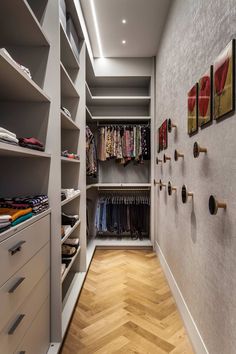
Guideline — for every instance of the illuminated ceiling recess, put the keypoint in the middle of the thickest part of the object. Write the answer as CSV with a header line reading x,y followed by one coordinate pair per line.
x,y
138,22
95,20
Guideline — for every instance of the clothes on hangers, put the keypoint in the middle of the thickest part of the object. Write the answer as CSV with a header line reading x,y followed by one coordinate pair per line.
x,y
91,154
123,213
124,143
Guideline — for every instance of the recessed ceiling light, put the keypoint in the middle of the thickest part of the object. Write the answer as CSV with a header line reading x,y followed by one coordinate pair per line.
x,y
124,41
124,20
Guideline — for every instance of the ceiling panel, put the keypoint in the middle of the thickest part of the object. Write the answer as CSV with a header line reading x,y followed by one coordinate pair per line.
x,y
142,32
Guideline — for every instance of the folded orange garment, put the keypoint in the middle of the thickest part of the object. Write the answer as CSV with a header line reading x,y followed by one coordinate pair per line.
x,y
14,213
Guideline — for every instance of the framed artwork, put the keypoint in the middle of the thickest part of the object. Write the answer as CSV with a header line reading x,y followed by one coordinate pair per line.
x,y
193,110
163,136
205,104
223,80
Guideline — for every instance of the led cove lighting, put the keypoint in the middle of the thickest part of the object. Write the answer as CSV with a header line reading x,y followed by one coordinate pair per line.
x,y
96,28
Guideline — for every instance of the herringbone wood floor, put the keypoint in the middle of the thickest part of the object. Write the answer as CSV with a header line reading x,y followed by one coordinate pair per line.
x,y
126,307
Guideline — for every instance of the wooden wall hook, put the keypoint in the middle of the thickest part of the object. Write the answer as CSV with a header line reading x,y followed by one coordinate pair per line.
x,y
171,125
165,158
214,205
178,154
161,184
171,188
197,149
185,194
158,160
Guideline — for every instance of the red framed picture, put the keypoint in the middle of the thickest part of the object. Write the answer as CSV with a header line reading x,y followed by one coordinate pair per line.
x,y
193,110
205,103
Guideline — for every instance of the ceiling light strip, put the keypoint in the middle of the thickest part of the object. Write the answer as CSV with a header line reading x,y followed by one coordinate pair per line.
x,y
96,28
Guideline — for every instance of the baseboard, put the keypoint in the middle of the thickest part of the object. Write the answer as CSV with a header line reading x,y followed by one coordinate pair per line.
x,y
193,332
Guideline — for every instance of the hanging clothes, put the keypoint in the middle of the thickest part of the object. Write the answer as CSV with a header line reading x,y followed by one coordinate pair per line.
x,y
124,143
91,154
118,214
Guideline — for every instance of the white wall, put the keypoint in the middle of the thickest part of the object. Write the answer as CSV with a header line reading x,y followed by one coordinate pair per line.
x,y
200,249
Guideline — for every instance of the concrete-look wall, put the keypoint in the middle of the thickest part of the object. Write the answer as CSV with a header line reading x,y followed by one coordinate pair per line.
x,y
199,248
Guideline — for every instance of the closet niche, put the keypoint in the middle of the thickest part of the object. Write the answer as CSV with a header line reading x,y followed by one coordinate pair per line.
x,y
118,116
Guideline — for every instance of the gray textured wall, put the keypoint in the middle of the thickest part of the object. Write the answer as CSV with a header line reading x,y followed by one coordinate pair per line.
x,y
199,248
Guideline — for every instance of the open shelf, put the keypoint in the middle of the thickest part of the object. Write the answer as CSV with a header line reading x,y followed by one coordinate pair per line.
x,y
15,150
15,85
119,185
69,231
22,225
68,200
115,100
67,122
66,159
70,265
68,56
25,29
67,86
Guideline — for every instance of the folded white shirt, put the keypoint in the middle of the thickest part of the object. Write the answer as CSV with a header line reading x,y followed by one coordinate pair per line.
x,y
5,131
8,137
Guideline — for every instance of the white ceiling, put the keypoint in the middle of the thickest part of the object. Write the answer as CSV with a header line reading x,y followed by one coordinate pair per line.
x,y
142,32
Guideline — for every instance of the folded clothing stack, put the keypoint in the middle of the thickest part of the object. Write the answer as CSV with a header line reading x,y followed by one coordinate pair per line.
x,y
22,67
68,193
6,136
63,196
66,111
38,203
69,219
31,143
70,155
12,217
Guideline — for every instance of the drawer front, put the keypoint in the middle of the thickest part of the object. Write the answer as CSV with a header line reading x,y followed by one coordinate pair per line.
x,y
19,323
18,249
37,339
14,292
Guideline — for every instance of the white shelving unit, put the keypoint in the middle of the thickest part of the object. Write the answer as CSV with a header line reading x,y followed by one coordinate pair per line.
x,y
67,123
16,85
68,200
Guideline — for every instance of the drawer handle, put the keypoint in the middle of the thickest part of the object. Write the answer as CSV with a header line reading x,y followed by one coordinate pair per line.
x,y
22,352
16,248
16,324
15,286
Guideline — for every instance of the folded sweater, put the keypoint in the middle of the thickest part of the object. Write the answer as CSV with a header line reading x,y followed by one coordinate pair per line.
x,y
22,218
15,213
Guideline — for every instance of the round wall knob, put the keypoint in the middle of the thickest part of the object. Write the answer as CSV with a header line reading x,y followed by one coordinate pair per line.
x,y
171,125
171,188
158,160
177,155
165,158
214,205
161,184
197,149
185,194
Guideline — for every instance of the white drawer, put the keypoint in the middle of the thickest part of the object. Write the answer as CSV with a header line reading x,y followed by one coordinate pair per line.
x,y
14,292
37,339
14,330
19,248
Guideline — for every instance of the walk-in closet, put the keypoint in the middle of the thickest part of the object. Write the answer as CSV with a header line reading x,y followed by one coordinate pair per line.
x,y
117,183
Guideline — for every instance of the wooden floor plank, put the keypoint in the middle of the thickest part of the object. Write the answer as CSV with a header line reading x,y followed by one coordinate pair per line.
x,y
125,307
